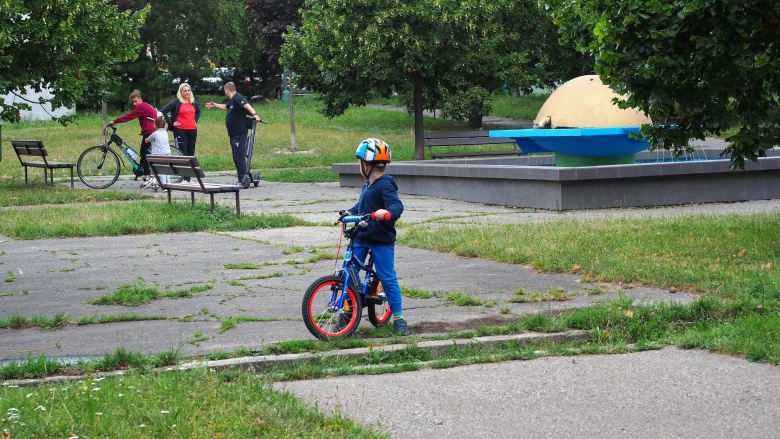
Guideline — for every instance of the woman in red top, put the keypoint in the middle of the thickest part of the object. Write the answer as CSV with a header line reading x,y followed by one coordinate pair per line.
x,y
182,115
146,114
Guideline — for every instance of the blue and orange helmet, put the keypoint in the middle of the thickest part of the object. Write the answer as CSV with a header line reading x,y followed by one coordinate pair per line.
x,y
374,151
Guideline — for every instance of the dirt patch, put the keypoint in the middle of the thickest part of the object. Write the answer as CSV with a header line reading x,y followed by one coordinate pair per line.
x,y
463,325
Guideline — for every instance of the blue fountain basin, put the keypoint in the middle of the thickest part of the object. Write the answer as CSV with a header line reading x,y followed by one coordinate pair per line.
x,y
587,142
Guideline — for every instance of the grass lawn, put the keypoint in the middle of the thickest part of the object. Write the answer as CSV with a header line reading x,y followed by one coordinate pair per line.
x,y
731,262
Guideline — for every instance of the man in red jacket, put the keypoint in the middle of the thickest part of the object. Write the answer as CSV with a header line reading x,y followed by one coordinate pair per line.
x,y
146,114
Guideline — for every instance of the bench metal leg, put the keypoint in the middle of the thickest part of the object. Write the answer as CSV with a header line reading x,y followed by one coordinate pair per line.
x,y
192,198
212,203
25,175
238,205
71,177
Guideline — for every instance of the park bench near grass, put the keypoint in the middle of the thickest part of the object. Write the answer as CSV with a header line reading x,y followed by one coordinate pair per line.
x,y
468,144
33,154
188,166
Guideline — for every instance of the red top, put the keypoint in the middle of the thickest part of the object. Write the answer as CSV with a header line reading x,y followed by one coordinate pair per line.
x,y
186,117
145,113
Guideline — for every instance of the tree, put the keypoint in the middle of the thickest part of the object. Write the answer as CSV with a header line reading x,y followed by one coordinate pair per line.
x,y
268,20
177,41
697,67
429,50
71,48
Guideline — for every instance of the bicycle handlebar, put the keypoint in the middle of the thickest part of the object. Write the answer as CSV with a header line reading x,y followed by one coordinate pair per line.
x,y
360,218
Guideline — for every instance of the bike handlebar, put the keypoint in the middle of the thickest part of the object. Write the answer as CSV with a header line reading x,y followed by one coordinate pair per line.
x,y
360,218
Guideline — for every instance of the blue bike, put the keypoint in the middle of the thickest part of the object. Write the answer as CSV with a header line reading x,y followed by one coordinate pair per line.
x,y
333,305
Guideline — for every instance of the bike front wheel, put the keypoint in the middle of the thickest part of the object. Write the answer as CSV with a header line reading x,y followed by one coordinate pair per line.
x,y
326,313
176,151
99,167
378,308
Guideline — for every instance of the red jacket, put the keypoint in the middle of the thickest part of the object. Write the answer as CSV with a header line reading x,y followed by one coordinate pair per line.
x,y
145,113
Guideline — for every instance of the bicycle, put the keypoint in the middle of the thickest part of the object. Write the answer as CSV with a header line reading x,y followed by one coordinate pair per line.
x,y
99,166
333,305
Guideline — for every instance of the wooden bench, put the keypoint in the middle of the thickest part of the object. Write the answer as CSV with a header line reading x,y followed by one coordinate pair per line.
x,y
188,166
478,139
33,154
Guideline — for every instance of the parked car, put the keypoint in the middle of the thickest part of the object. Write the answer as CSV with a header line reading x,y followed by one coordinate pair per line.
x,y
210,85
274,87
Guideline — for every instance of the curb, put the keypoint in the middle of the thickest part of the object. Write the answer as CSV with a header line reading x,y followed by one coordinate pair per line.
x,y
265,363
269,362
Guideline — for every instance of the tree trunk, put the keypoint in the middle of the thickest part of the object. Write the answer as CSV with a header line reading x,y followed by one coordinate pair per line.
x,y
475,122
419,145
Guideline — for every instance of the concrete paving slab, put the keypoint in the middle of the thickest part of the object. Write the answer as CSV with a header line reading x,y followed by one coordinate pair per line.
x,y
652,394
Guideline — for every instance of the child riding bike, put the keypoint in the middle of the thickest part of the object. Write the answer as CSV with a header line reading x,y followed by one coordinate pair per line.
x,y
380,196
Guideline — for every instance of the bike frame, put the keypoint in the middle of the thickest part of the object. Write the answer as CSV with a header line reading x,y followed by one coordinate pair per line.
x,y
123,146
351,267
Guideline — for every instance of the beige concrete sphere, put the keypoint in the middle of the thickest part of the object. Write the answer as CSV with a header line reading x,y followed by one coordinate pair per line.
x,y
586,102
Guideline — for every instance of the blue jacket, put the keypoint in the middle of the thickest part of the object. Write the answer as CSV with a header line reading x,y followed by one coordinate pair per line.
x,y
381,194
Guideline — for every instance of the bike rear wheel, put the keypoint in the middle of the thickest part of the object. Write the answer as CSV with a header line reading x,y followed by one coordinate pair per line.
x,y
321,313
176,151
378,308
98,167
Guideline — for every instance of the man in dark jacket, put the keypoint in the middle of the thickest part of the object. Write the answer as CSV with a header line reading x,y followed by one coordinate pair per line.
x,y
238,109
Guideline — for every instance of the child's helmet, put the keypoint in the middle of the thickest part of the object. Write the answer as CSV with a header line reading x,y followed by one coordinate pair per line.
x,y
374,151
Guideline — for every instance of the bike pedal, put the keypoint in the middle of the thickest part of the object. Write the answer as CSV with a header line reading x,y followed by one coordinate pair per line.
x,y
375,300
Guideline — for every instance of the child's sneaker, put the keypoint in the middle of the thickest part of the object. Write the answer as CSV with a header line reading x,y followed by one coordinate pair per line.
x,y
401,328
343,321
147,183
155,187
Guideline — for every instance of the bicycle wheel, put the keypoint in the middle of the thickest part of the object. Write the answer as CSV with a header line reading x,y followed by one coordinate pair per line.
x,y
176,151
378,308
321,313
98,167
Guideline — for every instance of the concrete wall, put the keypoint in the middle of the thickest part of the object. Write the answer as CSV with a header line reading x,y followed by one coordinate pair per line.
x,y
533,182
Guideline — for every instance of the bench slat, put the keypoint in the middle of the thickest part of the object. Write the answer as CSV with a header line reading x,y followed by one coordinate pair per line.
x,y
462,141
475,154
177,170
452,134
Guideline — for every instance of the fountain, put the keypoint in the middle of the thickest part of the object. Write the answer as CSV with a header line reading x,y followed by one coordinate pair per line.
x,y
583,156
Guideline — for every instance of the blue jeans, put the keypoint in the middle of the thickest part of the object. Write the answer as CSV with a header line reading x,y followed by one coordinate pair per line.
x,y
384,265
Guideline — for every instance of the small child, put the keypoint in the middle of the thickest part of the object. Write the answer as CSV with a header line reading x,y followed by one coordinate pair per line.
x,y
380,195
160,146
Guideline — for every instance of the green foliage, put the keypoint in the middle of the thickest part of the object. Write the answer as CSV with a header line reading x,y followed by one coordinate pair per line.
x,y
463,299
471,104
696,67
71,48
268,20
355,51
